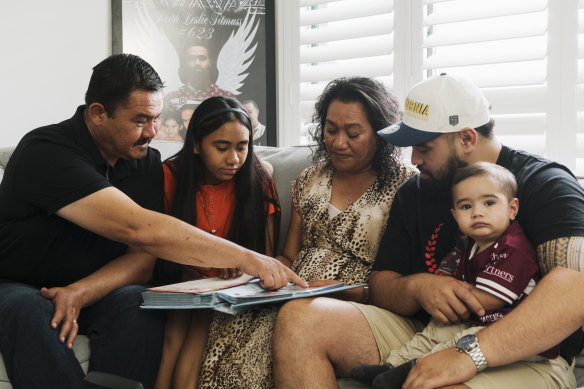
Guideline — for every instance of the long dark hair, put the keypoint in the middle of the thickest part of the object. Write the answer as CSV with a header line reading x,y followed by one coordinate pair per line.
x,y
253,185
382,109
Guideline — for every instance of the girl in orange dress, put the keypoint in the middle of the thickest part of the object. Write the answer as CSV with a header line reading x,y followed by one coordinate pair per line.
x,y
216,183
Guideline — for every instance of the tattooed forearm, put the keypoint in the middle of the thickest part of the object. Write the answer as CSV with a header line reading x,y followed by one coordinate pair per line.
x,y
565,252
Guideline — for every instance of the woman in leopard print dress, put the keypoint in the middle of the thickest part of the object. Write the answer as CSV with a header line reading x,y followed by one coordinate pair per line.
x,y
340,206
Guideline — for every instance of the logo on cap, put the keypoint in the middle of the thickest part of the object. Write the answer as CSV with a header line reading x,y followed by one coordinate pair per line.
x,y
453,120
416,110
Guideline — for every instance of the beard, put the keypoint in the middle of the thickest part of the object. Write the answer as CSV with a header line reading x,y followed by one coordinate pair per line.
x,y
199,79
439,184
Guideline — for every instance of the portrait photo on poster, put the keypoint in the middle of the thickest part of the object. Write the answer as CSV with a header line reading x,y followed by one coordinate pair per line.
x,y
204,48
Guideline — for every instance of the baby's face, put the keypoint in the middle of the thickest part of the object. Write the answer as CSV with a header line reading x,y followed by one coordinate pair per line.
x,y
482,209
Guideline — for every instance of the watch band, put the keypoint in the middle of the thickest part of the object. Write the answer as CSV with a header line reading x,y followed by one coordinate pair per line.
x,y
469,344
477,357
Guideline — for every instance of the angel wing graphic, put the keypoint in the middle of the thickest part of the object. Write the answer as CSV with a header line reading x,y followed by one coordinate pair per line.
x,y
236,56
148,41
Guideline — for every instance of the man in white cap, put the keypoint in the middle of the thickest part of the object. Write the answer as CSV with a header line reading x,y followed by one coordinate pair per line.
x,y
447,122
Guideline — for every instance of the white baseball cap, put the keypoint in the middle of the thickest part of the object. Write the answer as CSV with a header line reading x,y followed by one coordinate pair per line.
x,y
436,106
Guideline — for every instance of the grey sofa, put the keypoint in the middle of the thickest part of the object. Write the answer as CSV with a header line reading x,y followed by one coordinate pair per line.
x,y
287,163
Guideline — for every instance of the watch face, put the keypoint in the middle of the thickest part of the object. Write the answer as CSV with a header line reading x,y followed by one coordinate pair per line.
x,y
466,342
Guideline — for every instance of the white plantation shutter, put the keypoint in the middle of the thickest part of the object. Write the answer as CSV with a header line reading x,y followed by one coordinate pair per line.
x,y
522,54
502,46
341,38
526,55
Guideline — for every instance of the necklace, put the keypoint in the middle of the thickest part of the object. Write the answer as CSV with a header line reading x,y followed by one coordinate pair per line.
x,y
209,210
355,188
349,198
210,218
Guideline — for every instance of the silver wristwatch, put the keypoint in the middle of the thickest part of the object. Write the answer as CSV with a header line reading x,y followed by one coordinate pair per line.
x,y
470,344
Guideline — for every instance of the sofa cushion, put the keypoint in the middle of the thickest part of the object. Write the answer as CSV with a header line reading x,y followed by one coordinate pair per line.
x,y
5,153
288,163
579,370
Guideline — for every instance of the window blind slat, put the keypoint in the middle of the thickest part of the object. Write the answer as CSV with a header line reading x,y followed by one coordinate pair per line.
x,y
480,57
378,26
479,9
580,71
369,67
356,48
520,124
427,2
511,100
502,75
349,9
309,3
473,35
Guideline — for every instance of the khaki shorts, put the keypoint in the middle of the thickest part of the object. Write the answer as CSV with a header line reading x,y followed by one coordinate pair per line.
x,y
392,331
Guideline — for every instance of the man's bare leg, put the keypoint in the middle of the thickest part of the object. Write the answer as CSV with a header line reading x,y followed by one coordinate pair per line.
x,y
317,340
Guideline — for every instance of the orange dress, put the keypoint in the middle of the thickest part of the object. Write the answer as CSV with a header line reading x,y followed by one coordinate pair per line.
x,y
215,205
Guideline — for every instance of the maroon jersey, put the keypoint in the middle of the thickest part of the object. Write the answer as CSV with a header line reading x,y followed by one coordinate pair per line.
x,y
507,269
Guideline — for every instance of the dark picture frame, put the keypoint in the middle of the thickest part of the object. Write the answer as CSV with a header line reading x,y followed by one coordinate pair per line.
x,y
238,34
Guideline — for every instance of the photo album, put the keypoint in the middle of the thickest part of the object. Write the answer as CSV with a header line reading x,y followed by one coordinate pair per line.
x,y
231,296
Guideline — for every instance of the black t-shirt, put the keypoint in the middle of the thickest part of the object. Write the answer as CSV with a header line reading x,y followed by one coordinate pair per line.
x,y
52,167
421,230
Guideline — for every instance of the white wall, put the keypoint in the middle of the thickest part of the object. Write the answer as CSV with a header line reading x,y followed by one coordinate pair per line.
x,y
48,49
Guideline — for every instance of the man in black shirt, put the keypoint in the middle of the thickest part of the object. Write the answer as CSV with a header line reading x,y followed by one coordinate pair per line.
x,y
78,206
448,124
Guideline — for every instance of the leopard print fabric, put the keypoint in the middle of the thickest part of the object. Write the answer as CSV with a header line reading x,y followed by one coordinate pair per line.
x,y
238,352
